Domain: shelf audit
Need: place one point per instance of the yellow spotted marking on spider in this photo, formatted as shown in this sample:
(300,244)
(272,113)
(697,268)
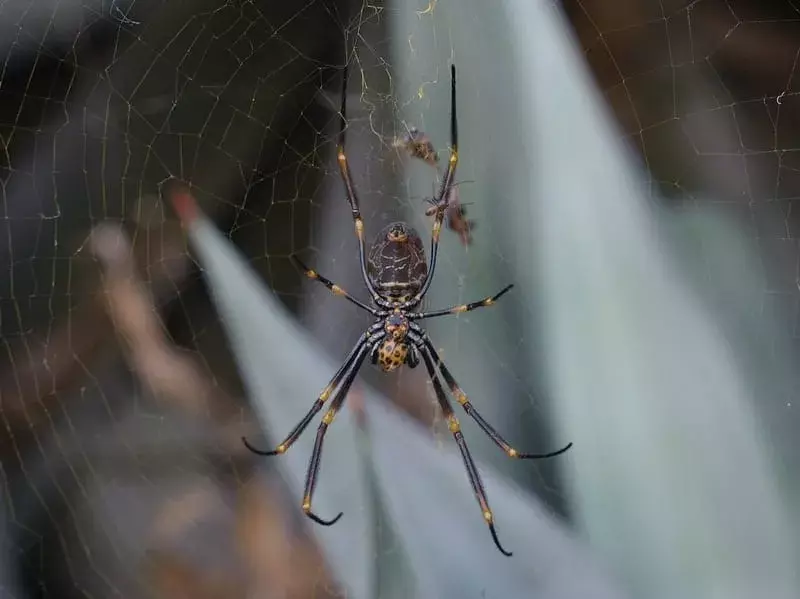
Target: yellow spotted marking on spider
(392,355)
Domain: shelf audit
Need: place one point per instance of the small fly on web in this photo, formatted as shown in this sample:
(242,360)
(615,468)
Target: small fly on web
(456,213)
(419,146)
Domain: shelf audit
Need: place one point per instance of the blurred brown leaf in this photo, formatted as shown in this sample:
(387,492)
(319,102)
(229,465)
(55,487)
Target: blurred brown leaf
(40,365)
(179,513)
(290,566)
(173,577)
(171,374)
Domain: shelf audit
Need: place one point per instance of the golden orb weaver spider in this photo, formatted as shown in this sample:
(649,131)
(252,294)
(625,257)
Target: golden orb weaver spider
(397,277)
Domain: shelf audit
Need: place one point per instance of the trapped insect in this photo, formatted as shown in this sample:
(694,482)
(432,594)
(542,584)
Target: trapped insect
(418,145)
(456,212)
(397,277)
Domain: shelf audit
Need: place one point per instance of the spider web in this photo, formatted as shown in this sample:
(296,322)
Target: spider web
(707,92)
(102,102)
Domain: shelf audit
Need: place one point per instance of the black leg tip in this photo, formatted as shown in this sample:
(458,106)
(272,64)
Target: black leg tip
(497,541)
(257,451)
(541,456)
(319,520)
(503,291)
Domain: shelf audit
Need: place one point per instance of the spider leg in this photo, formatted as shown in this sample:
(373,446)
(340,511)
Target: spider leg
(327,419)
(413,357)
(469,463)
(487,301)
(373,355)
(475,415)
(442,197)
(350,189)
(322,398)
(333,287)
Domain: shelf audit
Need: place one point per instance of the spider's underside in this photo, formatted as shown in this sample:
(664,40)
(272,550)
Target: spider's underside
(397,277)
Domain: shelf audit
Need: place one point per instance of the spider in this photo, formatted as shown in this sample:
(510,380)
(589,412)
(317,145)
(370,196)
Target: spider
(397,277)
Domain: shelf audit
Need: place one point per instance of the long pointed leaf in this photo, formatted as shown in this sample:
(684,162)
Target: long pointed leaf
(283,377)
(671,455)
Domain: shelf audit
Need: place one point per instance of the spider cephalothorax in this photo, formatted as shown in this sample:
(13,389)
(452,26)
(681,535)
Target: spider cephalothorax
(397,278)
(396,325)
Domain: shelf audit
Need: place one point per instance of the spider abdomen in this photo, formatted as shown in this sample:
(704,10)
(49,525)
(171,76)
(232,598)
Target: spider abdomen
(392,354)
(396,265)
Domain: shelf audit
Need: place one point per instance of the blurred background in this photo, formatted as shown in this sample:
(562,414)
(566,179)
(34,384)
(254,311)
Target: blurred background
(122,407)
